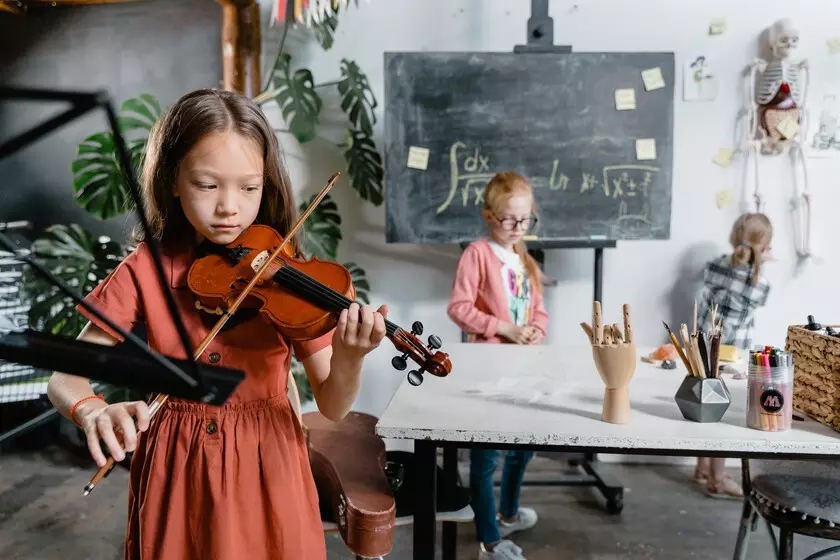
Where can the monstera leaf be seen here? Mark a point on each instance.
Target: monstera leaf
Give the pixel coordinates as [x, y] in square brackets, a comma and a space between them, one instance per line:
[325, 30]
[98, 178]
[357, 99]
[297, 98]
[81, 262]
[322, 230]
[360, 281]
[364, 165]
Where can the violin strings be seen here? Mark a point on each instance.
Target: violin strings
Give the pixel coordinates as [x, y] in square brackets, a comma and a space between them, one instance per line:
[324, 293]
[327, 295]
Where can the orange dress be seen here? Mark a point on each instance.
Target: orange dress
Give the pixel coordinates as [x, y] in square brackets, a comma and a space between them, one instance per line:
[208, 482]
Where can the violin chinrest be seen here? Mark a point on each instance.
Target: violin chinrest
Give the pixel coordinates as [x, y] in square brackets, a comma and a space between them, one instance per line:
[348, 463]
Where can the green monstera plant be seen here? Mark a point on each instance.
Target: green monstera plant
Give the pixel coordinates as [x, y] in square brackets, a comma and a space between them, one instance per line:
[76, 256]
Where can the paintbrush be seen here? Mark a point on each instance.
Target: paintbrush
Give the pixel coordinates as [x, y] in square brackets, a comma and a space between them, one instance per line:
[676, 344]
[715, 354]
[694, 330]
[695, 356]
[704, 352]
[686, 339]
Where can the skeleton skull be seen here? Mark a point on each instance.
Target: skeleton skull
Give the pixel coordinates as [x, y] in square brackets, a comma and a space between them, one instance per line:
[784, 38]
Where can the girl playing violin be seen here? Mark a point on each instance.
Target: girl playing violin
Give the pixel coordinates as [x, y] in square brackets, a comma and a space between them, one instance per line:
[497, 298]
[224, 482]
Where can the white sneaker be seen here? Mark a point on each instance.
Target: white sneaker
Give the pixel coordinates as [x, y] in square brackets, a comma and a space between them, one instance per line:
[525, 519]
[504, 550]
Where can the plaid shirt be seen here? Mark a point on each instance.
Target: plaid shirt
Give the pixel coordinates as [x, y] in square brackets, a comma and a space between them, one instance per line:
[737, 299]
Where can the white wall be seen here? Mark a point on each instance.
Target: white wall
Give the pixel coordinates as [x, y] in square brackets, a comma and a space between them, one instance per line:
[415, 280]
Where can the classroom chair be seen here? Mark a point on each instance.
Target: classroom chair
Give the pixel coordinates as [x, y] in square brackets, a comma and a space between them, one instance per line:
[797, 497]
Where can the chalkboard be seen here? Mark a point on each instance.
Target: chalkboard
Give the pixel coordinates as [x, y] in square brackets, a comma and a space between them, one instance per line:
[551, 117]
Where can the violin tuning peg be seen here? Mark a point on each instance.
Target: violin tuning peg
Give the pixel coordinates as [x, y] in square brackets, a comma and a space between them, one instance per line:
[399, 362]
[417, 328]
[435, 342]
[415, 378]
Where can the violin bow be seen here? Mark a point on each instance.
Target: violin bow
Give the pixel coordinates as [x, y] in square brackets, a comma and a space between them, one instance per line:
[159, 400]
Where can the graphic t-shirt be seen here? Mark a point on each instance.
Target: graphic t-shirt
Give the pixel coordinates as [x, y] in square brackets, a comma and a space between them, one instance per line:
[515, 281]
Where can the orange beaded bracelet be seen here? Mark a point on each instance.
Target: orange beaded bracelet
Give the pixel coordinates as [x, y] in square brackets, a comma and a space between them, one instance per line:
[80, 401]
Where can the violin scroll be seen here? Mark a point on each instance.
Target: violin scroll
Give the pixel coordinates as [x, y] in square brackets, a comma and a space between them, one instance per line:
[436, 363]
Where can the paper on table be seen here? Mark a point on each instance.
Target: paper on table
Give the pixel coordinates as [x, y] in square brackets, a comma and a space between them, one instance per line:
[717, 26]
[724, 198]
[724, 157]
[645, 148]
[625, 99]
[653, 78]
[418, 158]
[788, 128]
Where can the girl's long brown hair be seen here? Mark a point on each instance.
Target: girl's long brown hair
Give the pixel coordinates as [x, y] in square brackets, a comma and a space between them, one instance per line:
[196, 114]
[501, 187]
[751, 235]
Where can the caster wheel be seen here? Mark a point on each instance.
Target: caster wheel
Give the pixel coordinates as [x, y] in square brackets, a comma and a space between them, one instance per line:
[615, 506]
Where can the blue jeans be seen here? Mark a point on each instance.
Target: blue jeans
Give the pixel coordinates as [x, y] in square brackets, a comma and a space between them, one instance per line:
[483, 463]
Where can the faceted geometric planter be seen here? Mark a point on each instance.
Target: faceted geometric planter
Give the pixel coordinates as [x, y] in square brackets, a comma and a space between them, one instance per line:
[703, 399]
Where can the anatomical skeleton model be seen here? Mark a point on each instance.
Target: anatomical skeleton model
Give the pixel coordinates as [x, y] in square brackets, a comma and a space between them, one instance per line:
[778, 119]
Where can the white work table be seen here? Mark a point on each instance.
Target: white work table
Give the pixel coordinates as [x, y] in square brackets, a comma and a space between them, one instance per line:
[550, 397]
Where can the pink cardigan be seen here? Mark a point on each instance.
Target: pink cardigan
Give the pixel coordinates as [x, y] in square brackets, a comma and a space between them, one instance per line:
[479, 300]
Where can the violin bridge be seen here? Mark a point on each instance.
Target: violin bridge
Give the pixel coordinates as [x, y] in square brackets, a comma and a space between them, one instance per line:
[259, 260]
[200, 307]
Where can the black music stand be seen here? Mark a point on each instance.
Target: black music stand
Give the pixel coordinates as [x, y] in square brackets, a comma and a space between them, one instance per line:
[132, 364]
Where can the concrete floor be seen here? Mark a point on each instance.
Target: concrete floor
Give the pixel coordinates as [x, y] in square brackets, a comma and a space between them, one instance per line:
[42, 516]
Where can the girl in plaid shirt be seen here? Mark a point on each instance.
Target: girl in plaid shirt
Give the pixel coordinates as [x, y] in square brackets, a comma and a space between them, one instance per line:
[735, 285]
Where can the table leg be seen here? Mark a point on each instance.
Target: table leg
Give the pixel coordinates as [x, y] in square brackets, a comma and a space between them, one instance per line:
[425, 494]
[449, 535]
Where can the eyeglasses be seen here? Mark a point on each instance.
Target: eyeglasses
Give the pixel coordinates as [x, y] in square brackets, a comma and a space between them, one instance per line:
[509, 224]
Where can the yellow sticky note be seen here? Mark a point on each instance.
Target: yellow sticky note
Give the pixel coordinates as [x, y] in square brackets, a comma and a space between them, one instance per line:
[717, 26]
[833, 45]
[724, 157]
[788, 127]
[645, 148]
[653, 78]
[724, 198]
[418, 158]
[625, 99]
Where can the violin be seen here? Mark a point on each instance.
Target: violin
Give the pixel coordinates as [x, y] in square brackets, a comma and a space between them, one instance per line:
[302, 298]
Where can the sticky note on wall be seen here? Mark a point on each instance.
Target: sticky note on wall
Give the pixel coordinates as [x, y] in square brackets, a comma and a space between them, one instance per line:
[833, 45]
[418, 158]
[625, 99]
[653, 78]
[724, 198]
[717, 26]
[645, 149]
[724, 157]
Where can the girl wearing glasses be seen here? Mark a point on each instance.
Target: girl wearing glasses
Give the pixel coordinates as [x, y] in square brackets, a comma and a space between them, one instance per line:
[497, 298]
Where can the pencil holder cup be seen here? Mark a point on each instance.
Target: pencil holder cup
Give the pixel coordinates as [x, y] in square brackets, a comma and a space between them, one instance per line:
[703, 400]
[770, 398]
[616, 365]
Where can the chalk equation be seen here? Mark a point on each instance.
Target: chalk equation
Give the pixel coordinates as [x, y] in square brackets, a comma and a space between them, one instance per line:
[629, 185]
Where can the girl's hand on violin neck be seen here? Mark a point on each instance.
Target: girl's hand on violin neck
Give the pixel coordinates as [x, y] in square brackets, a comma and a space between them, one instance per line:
[102, 421]
[359, 330]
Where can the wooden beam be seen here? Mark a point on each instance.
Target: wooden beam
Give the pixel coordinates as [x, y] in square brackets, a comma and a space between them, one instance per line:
[241, 46]
[12, 6]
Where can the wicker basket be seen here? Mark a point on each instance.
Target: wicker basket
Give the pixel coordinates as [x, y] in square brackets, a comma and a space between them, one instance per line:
[816, 383]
